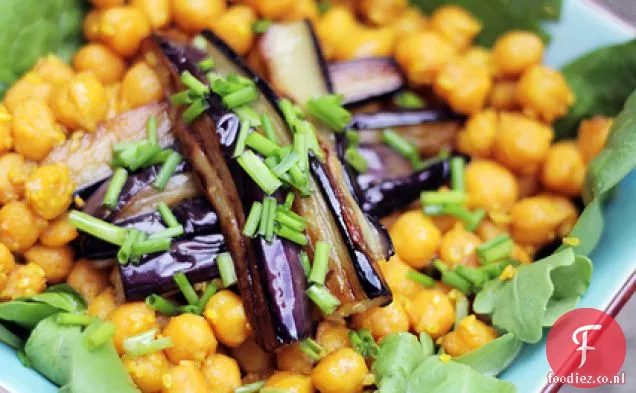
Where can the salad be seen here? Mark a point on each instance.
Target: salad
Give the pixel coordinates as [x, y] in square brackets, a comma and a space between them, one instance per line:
[297, 196]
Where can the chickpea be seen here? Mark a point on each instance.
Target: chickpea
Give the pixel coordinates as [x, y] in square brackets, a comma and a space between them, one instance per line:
[53, 70]
[112, 93]
[521, 254]
[456, 25]
[465, 87]
[103, 304]
[565, 207]
[226, 314]
[191, 336]
[292, 358]
[184, 378]
[274, 9]
[140, 86]
[538, 220]
[521, 143]
[34, 129]
[395, 273]
[516, 51]
[488, 229]
[131, 319]
[87, 279]
[332, 335]
[528, 184]
[458, 247]
[91, 25]
[31, 85]
[123, 28]
[544, 94]
[81, 103]
[221, 373]
[107, 66]
[490, 185]
[382, 321]
[235, 27]
[415, 238]
[251, 358]
[24, 280]
[158, 12]
[334, 27]
[304, 9]
[49, 190]
[423, 55]
[342, 371]
[6, 140]
[367, 43]
[471, 334]
[564, 169]
[478, 56]
[478, 136]
[55, 261]
[59, 232]
[431, 311]
[382, 12]
[593, 134]
[19, 226]
[290, 382]
[7, 263]
[147, 371]
[410, 22]
[107, 3]
[13, 174]
[193, 16]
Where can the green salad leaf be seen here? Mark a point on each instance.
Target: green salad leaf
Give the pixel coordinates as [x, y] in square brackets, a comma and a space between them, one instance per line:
[494, 357]
[399, 355]
[601, 81]
[28, 311]
[9, 338]
[32, 28]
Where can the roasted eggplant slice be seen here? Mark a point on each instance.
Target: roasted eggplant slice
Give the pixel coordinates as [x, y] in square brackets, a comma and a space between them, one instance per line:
[363, 79]
[381, 120]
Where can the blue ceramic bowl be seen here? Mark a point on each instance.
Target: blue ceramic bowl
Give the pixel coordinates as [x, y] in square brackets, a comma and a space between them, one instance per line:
[583, 27]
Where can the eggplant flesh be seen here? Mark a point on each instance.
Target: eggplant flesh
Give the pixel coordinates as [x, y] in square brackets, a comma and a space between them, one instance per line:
[364, 79]
[381, 120]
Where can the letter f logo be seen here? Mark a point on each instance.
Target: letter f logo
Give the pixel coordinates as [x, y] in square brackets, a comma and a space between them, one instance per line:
[583, 343]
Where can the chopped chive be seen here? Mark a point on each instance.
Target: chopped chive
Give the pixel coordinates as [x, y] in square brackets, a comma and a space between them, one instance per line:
[264, 222]
[494, 269]
[289, 113]
[312, 140]
[296, 217]
[124, 253]
[408, 100]
[161, 305]
[457, 173]
[119, 147]
[420, 278]
[200, 42]
[286, 164]
[241, 80]
[241, 97]
[224, 87]
[210, 290]
[321, 263]
[213, 77]
[186, 288]
[253, 219]
[456, 281]
[246, 112]
[305, 263]
[159, 158]
[168, 233]
[461, 310]
[191, 82]
[400, 144]
[312, 349]
[206, 65]
[261, 26]
[167, 169]
[73, 319]
[98, 333]
[476, 277]
[268, 128]
[244, 131]
[301, 147]
[289, 201]
[140, 348]
[271, 216]
[475, 218]
[259, 172]
[150, 246]
[287, 220]
[442, 197]
[290, 234]
[151, 129]
[144, 154]
[470, 219]
[357, 161]
[194, 110]
[261, 144]
[496, 248]
[226, 269]
[353, 137]
[283, 151]
[440, 266]
[167, 216]
[328, 110]
[189, 309]
[117, 182]
[299, 177]
[181, 98]
[322, 298]
[364, 343]
[100, 229]
[253, 387]
[134, 258]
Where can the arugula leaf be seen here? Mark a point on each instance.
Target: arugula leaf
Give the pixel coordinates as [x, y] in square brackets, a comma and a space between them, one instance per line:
[32, 28]
[25, 314]
[601, 81]
[486, 299]
[49, 349]
[7, 337]
[399, 355]
[494, 357]
[61, 300]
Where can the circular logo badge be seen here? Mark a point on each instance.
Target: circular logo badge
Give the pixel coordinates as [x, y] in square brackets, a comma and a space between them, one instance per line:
[585, 348]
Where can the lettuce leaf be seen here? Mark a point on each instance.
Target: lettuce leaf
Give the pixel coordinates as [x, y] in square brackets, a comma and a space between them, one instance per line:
[494, 357]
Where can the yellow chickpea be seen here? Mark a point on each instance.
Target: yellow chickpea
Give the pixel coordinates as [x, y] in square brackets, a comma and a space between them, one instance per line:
[158, 12]
[19, 226]
[6, 140]
[382, 12]
[536, 220]
[342, 371]
[415, 238]
[543, 93]
[304, 9]
[103, 304]
[222, 373]
[87, 279]
[147, 371]
[7, 263]
[565, 207]
[184, 378]
[193, 16]
[53, 70]
[488, 229]
[456, 25]
[465, 87]
[592, 135]
[13, 174]
[502, 95]
[395, 272]
[274, 9]
[107, 66]
[56, 262]
[191, 336]
[290, 382]
[35, 132]
[251, 358]
[332, 335]
[235, 27]
[59, 232]
[458, 245]
[31, 85]
[81, 103]
[382, 321]
[131, 319]
[490, 185]
[521, 143]
[122, 29]
[469, 335]
[91, 25]
[478, 56]
[24, 280]
[367, 42]
[478, 136]
[516, 51]
[49, 190]
[292, 358]
[334, 27]
[409, 22]
[521, 254]
[423, 55]
[431, 311]
[564, 169]
[140, 86]
[107, 3]
[112, 93]
[225, 312]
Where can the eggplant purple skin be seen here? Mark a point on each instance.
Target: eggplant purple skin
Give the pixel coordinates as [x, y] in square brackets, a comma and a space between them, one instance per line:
[361, 80]
[379, 120]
